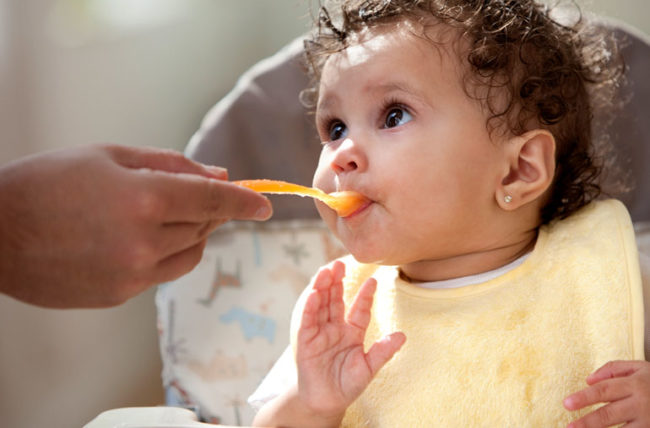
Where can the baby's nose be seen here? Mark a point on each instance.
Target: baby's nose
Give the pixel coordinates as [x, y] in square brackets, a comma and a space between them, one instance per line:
[349, 157]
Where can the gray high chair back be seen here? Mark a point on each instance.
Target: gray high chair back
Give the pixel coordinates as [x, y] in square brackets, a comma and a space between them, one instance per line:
[630, 130]
[223, 325]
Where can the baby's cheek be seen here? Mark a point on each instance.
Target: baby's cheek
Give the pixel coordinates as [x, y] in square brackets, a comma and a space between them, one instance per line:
[327, 214]
[324, 178]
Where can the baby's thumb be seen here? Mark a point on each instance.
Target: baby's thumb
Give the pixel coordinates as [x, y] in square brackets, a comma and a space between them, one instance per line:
[383, 350]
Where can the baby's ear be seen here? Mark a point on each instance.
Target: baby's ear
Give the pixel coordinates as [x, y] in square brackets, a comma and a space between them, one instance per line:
[530, 169]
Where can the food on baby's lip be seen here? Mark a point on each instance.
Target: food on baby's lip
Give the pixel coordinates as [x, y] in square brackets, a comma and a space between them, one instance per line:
[344, 203]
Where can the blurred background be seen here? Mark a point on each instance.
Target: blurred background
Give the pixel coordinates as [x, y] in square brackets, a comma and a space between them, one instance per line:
[136, 72]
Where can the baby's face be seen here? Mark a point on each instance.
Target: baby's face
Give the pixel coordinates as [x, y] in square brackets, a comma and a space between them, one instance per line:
[398, 127]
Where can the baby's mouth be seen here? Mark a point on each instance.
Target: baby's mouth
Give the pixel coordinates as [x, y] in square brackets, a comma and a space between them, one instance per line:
[361, 208]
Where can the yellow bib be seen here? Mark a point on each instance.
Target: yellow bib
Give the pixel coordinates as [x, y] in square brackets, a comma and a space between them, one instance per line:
[505, 353]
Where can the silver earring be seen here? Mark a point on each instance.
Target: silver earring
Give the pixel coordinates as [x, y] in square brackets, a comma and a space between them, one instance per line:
[507, 199]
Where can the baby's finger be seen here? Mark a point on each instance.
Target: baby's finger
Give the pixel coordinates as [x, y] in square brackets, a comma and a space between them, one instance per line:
[612, 414]
[335, 297]
[320, 285]
[310, 312]
[336, 305]
[323, 279]
[359, 314]
[614, 369]
[601, 392]
[383, 350]
[338, 271]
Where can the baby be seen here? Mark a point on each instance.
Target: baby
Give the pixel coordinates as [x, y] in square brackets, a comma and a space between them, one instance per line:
[482, 256]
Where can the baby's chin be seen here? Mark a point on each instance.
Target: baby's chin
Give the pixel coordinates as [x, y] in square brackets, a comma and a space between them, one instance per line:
[363, 251]
[367, 257]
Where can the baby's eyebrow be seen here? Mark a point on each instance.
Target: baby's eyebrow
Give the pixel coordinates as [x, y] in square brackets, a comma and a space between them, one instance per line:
[326, 103]
[330, 100]
[422, 96]
[398, 86]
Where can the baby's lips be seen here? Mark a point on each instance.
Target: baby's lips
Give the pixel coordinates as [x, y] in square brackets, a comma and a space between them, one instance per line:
[348, 202]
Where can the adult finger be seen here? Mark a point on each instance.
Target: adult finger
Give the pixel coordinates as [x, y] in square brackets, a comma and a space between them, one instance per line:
[178, 264]
[635, 424]
[171, 238]
[614, 369]
[162, 160]
[164, 270]
[175, 198]
[601, 392]
[606, 416]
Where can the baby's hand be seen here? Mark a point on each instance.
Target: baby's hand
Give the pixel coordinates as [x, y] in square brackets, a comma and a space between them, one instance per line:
[624, 386]
[333, 369]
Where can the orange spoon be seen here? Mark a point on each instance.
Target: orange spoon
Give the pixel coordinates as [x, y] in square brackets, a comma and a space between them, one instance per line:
[344, 203]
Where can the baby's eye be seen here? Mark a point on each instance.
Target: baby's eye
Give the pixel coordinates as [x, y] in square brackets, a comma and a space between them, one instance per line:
[397, 116]
[337, 130]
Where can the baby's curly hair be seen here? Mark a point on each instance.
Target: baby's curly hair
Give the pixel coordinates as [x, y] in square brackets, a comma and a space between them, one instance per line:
[552, 74]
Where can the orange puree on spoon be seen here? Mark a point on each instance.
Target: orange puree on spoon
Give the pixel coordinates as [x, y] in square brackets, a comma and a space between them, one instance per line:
[344, 203]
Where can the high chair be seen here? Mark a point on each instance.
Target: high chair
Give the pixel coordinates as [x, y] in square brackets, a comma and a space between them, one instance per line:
[224, 324]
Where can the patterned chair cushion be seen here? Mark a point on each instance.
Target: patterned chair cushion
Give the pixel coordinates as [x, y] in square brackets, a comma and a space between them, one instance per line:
[223, 325]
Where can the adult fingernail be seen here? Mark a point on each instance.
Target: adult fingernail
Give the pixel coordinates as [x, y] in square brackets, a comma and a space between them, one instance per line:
[263, 213]
[218, 172]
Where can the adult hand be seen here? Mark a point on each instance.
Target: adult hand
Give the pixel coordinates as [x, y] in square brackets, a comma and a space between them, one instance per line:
[94, 226]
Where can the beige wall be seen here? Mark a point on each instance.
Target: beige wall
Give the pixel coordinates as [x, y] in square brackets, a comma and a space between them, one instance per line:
[67, 79]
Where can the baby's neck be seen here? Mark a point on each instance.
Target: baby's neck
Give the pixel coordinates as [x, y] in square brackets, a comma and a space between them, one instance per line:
[469, 263]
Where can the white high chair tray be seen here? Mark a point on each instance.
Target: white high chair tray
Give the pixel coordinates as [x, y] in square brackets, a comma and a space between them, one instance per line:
[148, 417]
